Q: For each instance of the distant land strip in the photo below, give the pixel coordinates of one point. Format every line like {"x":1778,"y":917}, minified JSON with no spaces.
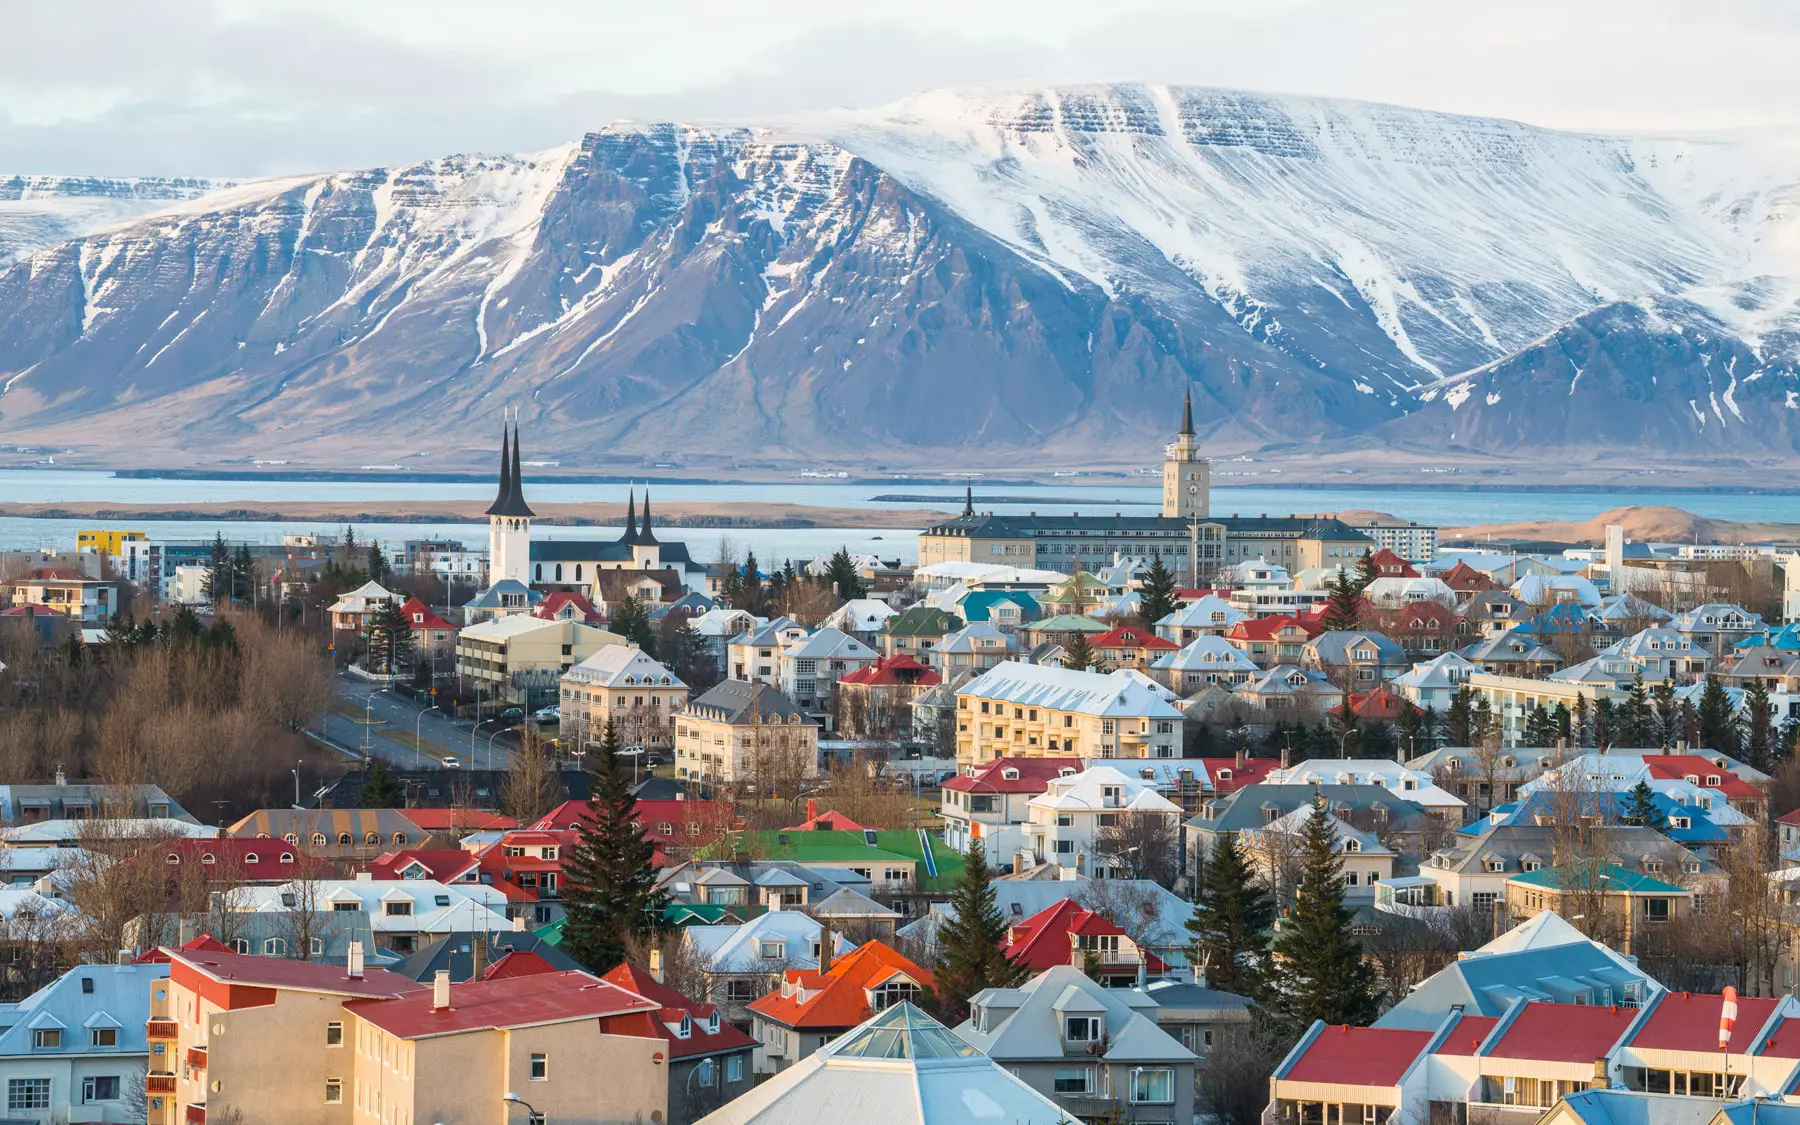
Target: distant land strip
{"x":677,"y":514}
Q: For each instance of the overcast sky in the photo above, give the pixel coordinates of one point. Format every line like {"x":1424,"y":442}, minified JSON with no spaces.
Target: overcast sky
{"x":250,"y":87}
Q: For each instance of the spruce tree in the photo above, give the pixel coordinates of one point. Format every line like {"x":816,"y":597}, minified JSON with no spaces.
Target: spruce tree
{"x":969,"y":954}
{"x":243,"y":574}
{"x":1581,"y":724}
{"x":754,"y":594}
{"x":1320,"y":973}
{"x":1635,"y":722}
{"x":841,"y":573}
{"x":631,"y":621}
{"x":377,"y":565}
{"x":1458,"y":721}
{"x":1563,"y":723}
{"x":1687,"y":721}
{"x":1366,"y":572}
{"x":1156,"y":592}
{"x":380,"y":788}
{"x":1640,"y":808}
{"x":1540,"y":729}
{"x":217,"y":582}
{"x":1668,"y":713}
{"x":609,"y":888}
{"x":1605,"y":725}
{"x":1078,"y":655}
{"x":1230,"y":923}
{"x":1718,"y":723}
{"x":1759,"y":726}
{"x":1344,"y":608}
{"x":390,"y":638}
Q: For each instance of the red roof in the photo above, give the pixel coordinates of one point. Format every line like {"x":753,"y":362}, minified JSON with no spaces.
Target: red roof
{"x":837,"y":997}
{"x":1467,"y":1035}
{"x":1130,"y":636}
{"x":449,"y":820}
{"x":1571,"y":1033}
{"x":446,"y":865}
{"x":282,"y":972}
{"x":421,"y":615}
{"x":1390,"y":565}
{"x":699,"y":1041}
{"x":1229,"y":775}
{"x":1034,"y":775}
{"x":513,"y":1002}
{"x":518,"y":963}
{"x":1186,"y":594}
{"x":1042,"y":940}
{"x":506,"y":872}
{"x":1265,"y":628}
{"x":1358,"y":1056}
{"x":1783,"y":1042}
{"x":827,"y":821}
{"x":1789,"y":817}
{"x":891,"y":671}
{"x":31,"y":609}
{"x":558,"y":600}
{"x":1675,"y":767}
{"x":205,"y":943}
{"x":1379,"y":704}
{"x":1687,"y":1021}
{"x":53,"y":574}
{"x":1464,"y":578}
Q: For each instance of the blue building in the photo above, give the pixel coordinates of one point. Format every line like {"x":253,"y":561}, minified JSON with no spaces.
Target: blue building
{"x":76,"y":1049}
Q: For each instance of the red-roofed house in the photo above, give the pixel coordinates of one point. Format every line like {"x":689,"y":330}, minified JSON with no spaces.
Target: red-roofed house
{"x":1466,"y":581}
{"x":1543,"y":1051}
{"x":526,"y":864}
{"x":994,"y":796}
{"x":1390,"y":565}
{"x":1748,"y":799}
{"x":876,"y":699}
{"x":454,"y":823}
{"x":710,"y":1062}
{"x":1377,"y":706}
{"x":1424,"y":629}
{"x":827,"y":821}
{"x":434,"y":639}
{"x":229,"y":860}
{"x":1129,"y":647}
{"x":1269,"y":641}
{"x":444,"y":865}
{"x":1227,"y":775}
{"x":567,"y":605}
{"x":814,"y":1006}
{"x":91,"y":600}
{"x":1065,"y":933}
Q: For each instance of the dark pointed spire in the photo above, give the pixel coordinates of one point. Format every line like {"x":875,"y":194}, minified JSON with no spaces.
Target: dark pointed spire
{"x":510,"y":500}
{"x":631,"y":532}
{"x":1187,"y":414}
{"x":969,"y":501}
{"x":648,"y":537}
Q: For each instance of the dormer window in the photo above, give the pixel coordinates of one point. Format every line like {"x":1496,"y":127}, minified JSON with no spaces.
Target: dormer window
{"x":1082,"y":1029}
{"x":1010,"y":774}
{"x":1353,"y":845}
{"x":1712,"y":779}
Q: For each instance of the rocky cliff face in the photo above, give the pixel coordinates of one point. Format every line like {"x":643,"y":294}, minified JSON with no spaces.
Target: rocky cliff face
{"x":1031,"y":275}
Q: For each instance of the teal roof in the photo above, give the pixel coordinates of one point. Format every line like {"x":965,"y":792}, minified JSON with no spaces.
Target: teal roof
{"x":977,"y":605}
{"x":1620,"y":879}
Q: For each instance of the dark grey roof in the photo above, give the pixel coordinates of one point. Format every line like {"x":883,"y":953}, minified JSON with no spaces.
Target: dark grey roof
{"x":1248,"y":807}
{"x":510,"y":501}
{"x":456,"y":952}
{"x":735,"y":700}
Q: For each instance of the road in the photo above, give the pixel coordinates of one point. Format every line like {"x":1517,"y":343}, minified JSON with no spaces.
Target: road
{"x":396,"y":715}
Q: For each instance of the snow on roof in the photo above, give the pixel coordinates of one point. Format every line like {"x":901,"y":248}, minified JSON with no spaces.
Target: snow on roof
{"x":1065,"y":689}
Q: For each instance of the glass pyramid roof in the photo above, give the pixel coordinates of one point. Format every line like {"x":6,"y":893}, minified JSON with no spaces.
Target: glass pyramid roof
{"x":901,"y":1032}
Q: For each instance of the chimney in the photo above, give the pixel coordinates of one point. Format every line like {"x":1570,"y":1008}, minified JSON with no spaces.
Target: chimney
{"x":519,"y":924}
{"x":1067,"y":874}
{"x":825,"y":939}
{"x":1599,"y":1081}
{"x":656,"y":966}
{"x":478,"y":952}
{"x":1240,"y":757}
{"x":62,"y":779}
{"x":812,"y":809}
{"x":1286,"y":753}
{"x":354,"y":963}
{"x":125,"y":957}
{"x":440,"y":991}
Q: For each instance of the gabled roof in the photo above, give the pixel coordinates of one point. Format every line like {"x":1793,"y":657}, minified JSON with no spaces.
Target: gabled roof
{"x":922,"y":621}
{"x":1043,"y":940}
{"x":839,"y":996}
{"x":520,"y":1001}
{"x":422,"y":616}
{"x":1012,"y":775}
{"x":1571,"y":1033}
{"x":893,"y":671}
{"x":699,"y":1041}
{"x":1265,"y":628}
{"x":1130,"y":636}
{"x":281,"y":972}
{"x":557,"y":600}
{"x":1356,"y":1056}
{"x":1689,"y":1021}
{"x":741,"y":701}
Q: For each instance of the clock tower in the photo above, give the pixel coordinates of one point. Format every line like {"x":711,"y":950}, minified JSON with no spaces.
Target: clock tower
{"x":1186,"y":474}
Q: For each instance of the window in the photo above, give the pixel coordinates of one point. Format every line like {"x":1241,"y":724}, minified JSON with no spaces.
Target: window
{"x":334,"y":1033}
{"x":87,"y":985}
{"x":27,"y":1093}
{"x":1081,"y":1029}
{"x":1153,"y":1086}
{"x":104,"y":1037}
{"x":1074,"y":1080}
{"x":241,"y":946}
{"x":334,"y":1091}
{"x":274,"y":947}
{"x":540,"y":1068}
{"x":100,"y":1088}
{"x":319,"y":840}
{"x":734,"y":1068}
{"x":45,"y":1038}
{"x":771,"y":950}
{"x":400,"y":908}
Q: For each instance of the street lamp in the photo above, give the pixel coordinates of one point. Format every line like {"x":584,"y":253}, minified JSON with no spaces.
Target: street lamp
{"x":490,"y":745}
{"x":512,"y":1099}
{"x":296,"y":772}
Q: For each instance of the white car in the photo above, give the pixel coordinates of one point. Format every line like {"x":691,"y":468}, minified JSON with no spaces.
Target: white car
{"x":452,"y":763}
{"x":548,"y":714}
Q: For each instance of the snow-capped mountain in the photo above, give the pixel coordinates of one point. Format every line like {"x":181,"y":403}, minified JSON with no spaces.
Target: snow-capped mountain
{"x":996,"y":272}
{"x":40,"y":211}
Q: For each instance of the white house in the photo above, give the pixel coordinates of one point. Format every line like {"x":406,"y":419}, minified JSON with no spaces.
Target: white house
{"x":1434,"y":683}
{"x":403,"y":913}
{"x":812,"y":666}
{"x":1205,"y":660}
{"x":1063,"y":821}
{"x":76,"y":1049}
{"x":1410,"y":784}
{"x":1208,"y":615}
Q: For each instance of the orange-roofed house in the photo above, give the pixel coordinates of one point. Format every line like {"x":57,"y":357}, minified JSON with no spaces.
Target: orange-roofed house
{"x":1269,"y":641}
{"x":1129,"y":647}
{"x":1067,"y":933}
{"x":434,"y":639}
{"x":710,"y":1061}
{"x":1390,"y":565}
{"x":814,"y":1006}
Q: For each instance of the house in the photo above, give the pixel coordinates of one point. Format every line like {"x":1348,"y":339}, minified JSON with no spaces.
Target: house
{"x":893,"y":861}
{"x":568,"y":605}
{"x":402,"y":913}
{"x":1465,"y":581}
{"x":353,"y":611}
{"x":357,"y":835}
{"x":1006,"y":610}
{"x":1067,"y":933}
{"x":739,"y":730}
{"x":1025,"y":710}
{"x":76,"y":1049}
{"x":1714,"y":628}
{"x":1539,"y":590}
{"x":755,"y":654}
{"x":1065,"y":824}
{"x":1060,"y":630}
{"x":1207,"y":616}
{"x":1127,"y":646}
{"x":903,"y":1065}
{"x":506,"y":597}
{"x":751,"y":887}
{"x":717,"y":627}
{"x":1356,"y":658}
{"x":1370,"y":808}
{"x":1413,"y":785}
{"x":814,"y":1006}
{"x":976,"y":647}
{"x":876,"y":700}
{"x":1091,"y":1049}
{"x":1196,"y":1016}
{"x":990,"y":802}
{"x":63,"y":799}
{"x":470,"y":956}
{"x":623,"y":685}
{"x":811,"y":666}
{"x":650,"y":587}
{"x":1489,"y":613}
{"x":91,"y":601}
{"x":1285,"y":691}
{"x":521,"y":659}
{"x":1513,"y":698}
{"x":862,"y":618}
{"x":434,"y":639}
{"x":914,"y":632}
{"x":1473,"y":870}
{"x":1515,"y":653}
{"x":1659,"y":653}
{"x":1423,"y":630}
{"x":743,"y":962}
{"x":1273,"y":851}
{"x":1157,"y":915}
{"x":710,"y":1062}
{"x":1630,"y":901}
{"x":1269,"y":641}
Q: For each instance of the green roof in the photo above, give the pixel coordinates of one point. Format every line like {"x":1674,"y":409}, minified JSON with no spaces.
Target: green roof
{"x":552,"y":934}
{"x":1068,"y":623}
{"x":851,"y":847}
{"x":704,"y":913}
{"x":922,"y":621}
{"x":1614,"y":879}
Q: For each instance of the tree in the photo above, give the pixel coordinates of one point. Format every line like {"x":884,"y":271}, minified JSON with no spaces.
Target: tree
{"x":1343,"y":610}
{"x":380,"y":789}
{"x":1142,"y":845}
{"x":1760,"y":738}
{"x":1640,"y":808}
{"x":1581,"y":725}
{"x":1540,"y":729}
{"x":1078,"y":655}
{"x":1668,"y":713}
{"x":753,"y":595}
{"x":611,"y":886}
{"x":217,"y":583}
{"x":1458,"y":720}
{"x":1156,"y":592}
{"x":842,"y":574}
{"x":1230,"y":923}
{"x":1320,"y":970}
{"x":631,"y":621}
{"x":1718,"y":723}
{"x":531,"y":787}
{"x":1366,"y":572}
{"x":243,"y":574}
{"x":377,"y":565}
{"x":390,"y":638}
{"x":1634,"y":722}
{"x":969,"y":955}
{"x":684,"y":650}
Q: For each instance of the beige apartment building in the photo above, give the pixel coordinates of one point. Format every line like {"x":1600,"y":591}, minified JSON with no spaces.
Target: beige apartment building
{"x":1016,"y":710}
{"x":521,"y":658}
{"x":1514,"y":697}
{"x":624,"y":684}
{"x":741,"y":730}
{"x":274,"y":1039}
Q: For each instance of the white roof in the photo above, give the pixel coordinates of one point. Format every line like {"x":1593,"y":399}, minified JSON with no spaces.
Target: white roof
{"x":725,"y":622}
{"x":44,"y":833}
{"x":1446,"y":671}
{"x":1207,"y":654}
{"x":362,"y":598}
{"x":622,"y":666}
{"x":1201,"y":613}
{"x":437,"y":908}
{"x":861,"y":615}
{"x":1065,"y":689}
{"x":1405,"y":591}
{"x":1410,"y":784}
{"x":735,"y":949}
{"x":1082,"y":792}
{"x":829,"y":644}
{"x":988,"y":572}
{"x":1294,"y":823}
{"x":1033,"y":1030}
{"x":1540,"y":589}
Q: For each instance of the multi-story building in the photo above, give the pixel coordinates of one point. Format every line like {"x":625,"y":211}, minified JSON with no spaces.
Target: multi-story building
{"x":1414,"y":542}
{"x":991,"y":802}
{"x":1273,"y":851}
{"x":812,"y":665}
{"x":738,"y":731}
{"x":625,"y":685}
{"x":1513,"y":698}
{"x":1715,"y":627}
{"x":741,"y":963}
{"x":914,"y":631}
{"x":522,"y":659}
{"x":976,"y":647}
{"x":91,"y":601}
{"x":1067,"y":933}
{"x":755,"y":655}
{"x":811,"y":1007}
{"x":403,"y":913}
{"x":434,"y":639}
{"x":710,"y":1062}
{"x":1032,"y":711}
{"x":1065,"y":824}
{"x":74,"y":1050}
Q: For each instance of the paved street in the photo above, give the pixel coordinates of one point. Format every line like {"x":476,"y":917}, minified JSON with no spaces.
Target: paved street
{"x":396,"y":715}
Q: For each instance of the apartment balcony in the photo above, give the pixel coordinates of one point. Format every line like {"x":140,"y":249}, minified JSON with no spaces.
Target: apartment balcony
{"x":196,"y":1057}
{"x":159,"y":1082}
{"x":162,"y":1029}
{"x":1086,"y":1105}
{"x":196,"y":1113}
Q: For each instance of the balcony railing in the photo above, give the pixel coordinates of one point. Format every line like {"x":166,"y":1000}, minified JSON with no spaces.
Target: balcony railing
{"x":163,"y":1029}
{"x":196,"y":1057}
{"x":196,"y":1113}
{"x":159,"y":1082}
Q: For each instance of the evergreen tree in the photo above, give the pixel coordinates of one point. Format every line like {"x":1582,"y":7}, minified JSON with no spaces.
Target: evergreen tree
{"x":1718,"y":723}
{"x":1604,"y":723}
{"x":1320,"y":970}
{"x":1459,"y":720}
{"x":969,"y":955}
{"x":1481,"y":718}
{"x":1429,"y":736}
{"x":377,"y":564}
{"x":754,"y":594}
{"x":220,"y":636}
{"x":1687,"y":721}
{"x":1760,"y":736}
{"x":842,"y":575}
{"x":1540,"y":728}
{"x":1581,"y":724}
{"x":1635,"y":721}
{"x":1563,"y":722}
{"x":1668,"y":713}
{"x":1406,"y":729}
{"x":1156,"y":592}
{"x":609,"y":888}
{"x":1230,"y":923}
{"x":1366,"y":572}
{"x":217,"y":583}
{"x":1344,"y":608}
{"x":684,"y":651}
{"x":1640,"y":808}
{"x":380,"y":788}
{"x":243,"y":574}
{"x":1078,"y":655}
{"x":632,"y":621}
{"x":389,"y":638}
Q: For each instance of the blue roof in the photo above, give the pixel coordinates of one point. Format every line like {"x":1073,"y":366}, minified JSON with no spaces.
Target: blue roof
{"x":1488,"y":984}
{"x":1628,"y":1107}
{"x":976,"y":605}
{"x":120,"y":1000}
{"x":1786,"y":638}
{"x":1611,"y":805}
{"x":490,"y":597}
{"x":1562,"y":618}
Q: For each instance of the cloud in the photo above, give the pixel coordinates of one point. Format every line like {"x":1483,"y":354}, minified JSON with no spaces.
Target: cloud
{"x":249,"y":87}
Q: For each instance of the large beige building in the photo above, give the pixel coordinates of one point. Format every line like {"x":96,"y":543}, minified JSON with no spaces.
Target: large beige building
{"x":1016,"y":710}
{"x":521,"y":658}
{"x":264,"y":1038}
{"x":744,"y":731}
{"x":624,"y":684}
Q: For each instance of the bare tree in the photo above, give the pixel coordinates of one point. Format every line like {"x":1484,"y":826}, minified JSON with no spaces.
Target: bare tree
{"x":1144,"y":845}
{"x":531,"y":787}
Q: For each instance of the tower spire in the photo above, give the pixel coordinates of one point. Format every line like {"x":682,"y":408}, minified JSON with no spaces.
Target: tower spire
{"x":510,"y":500}
{"x":1187,"y":414}
{"x":647,"y":537}
{"x":969,"y":501}
{"x":631,"y":533}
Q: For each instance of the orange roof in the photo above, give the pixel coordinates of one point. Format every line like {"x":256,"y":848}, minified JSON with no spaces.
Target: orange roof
{"x":1130,"y":636}
{"x":837,"y":997}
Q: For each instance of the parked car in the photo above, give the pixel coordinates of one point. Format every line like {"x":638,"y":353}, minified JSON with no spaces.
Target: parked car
{"x":513,"y":715}
{"x":550,"y":714}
